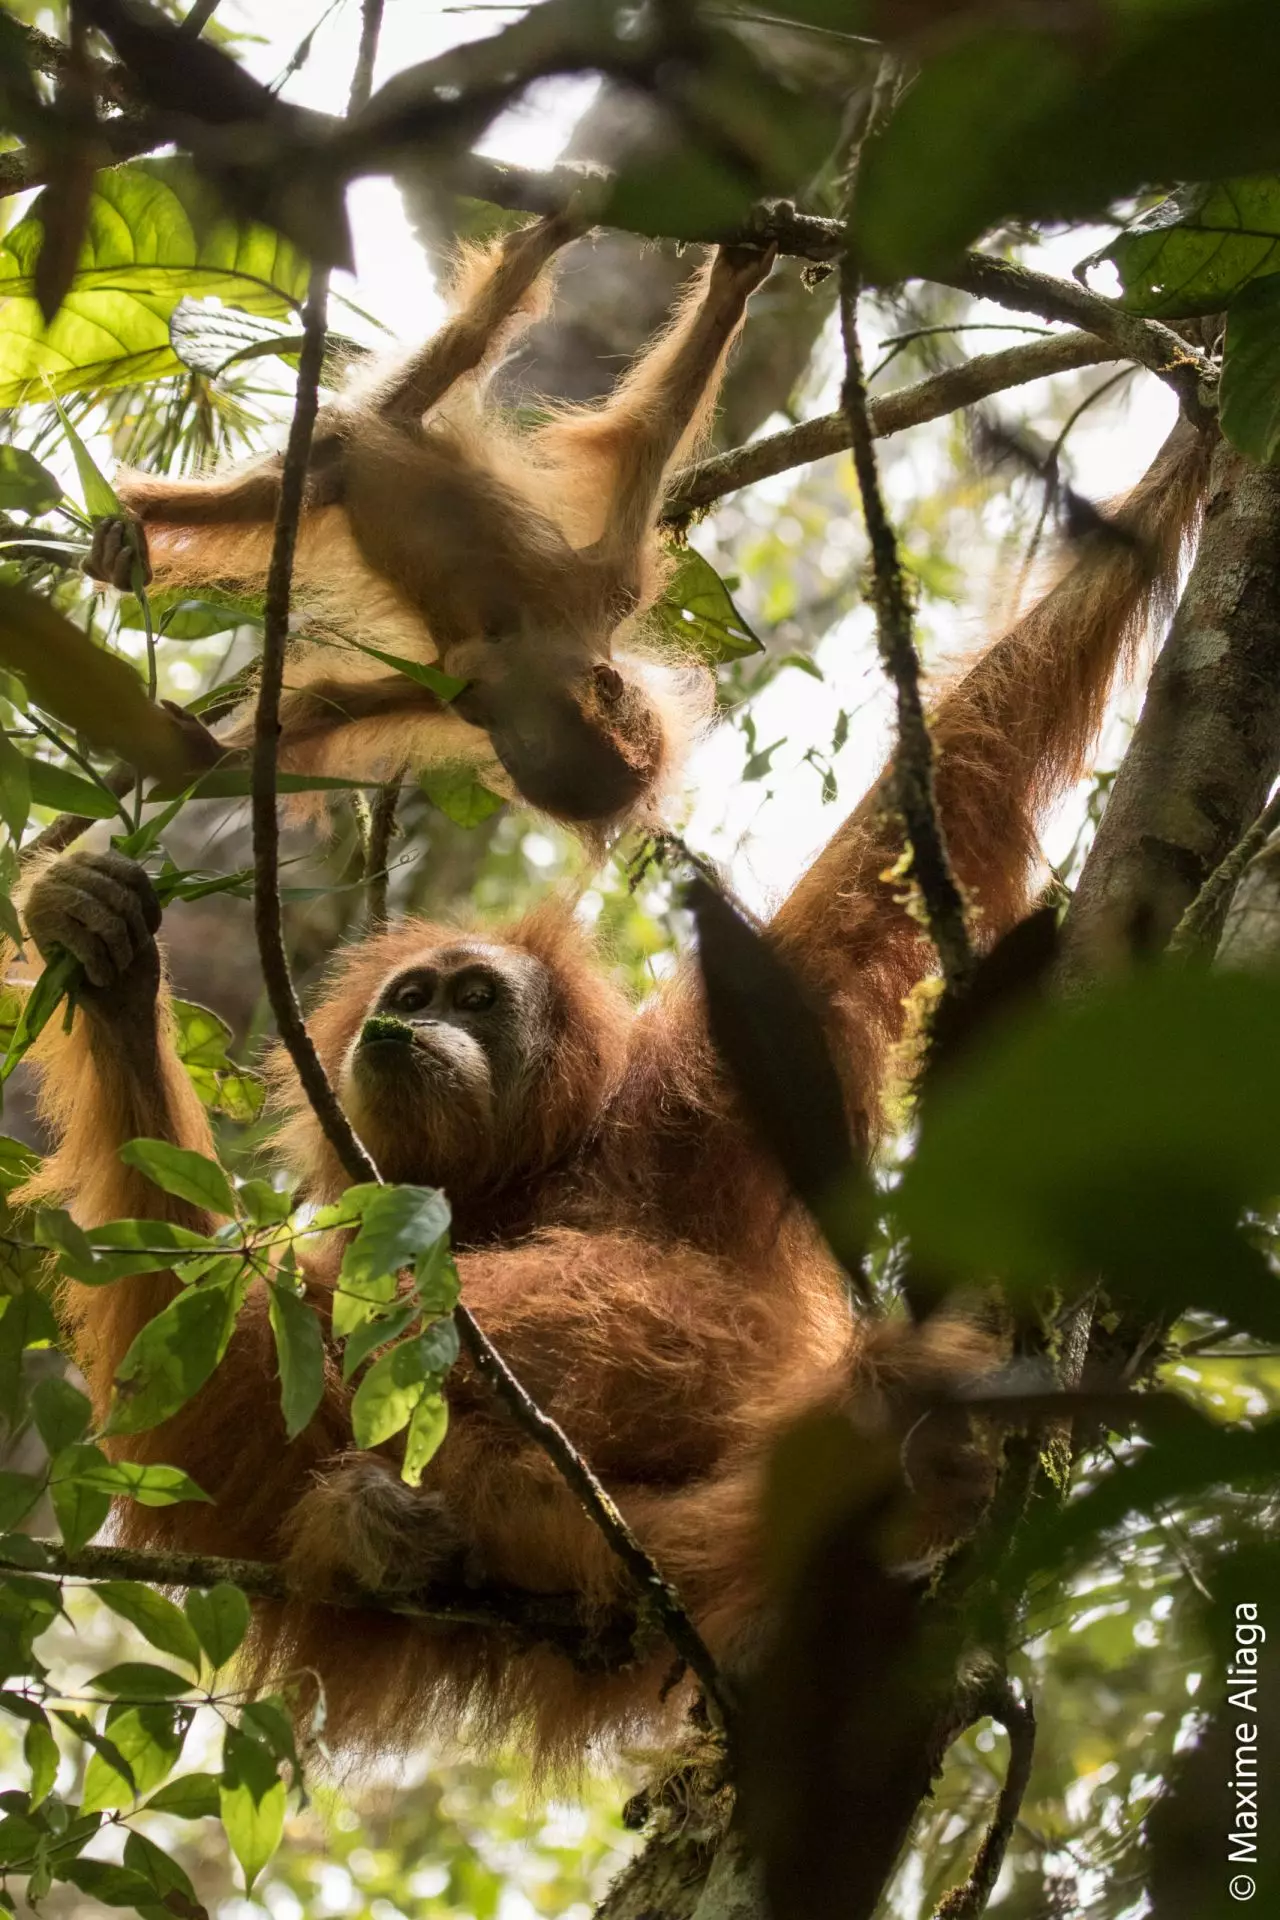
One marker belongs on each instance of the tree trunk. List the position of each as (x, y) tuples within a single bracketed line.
[(1207, 746)]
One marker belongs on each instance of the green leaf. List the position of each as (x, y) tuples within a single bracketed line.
[(300, 1354), (221, 1620), (61, 1412), (194, 1796), (79, 1507), (174, 1354), (113, 1886), (387, 1396), (397, 1226), (121, 1247), (264, 1205), (179, 1170), (144, 1857), (18, 1494), (445, 685), (140, 1677), (253, 1802), (25, 1321), (1016, 121), (101, 501), (157, 1619), (15, 788), (697, 613), (222, 1084), (156, 234), (1195, 251), (148, 1740), (42, 1002), (1123, 1172), (1249, 392), (458, 793), (40, 1751), (65, 792), (98, 694), (150, 1486), (26, 486), (85, 1730), (427, 1429), (376, 1333)]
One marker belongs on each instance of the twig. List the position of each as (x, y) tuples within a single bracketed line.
[(382, 822), (197, 19), (552, 1618), (1018, 1719), (912, 772), (362, 79), (657, 1597), (1150, 343), (706, 481), (1199, 925)]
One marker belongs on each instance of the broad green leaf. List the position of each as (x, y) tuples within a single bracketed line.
[(1195, 251), (427, 1428), (220, 1618), (26, 1320), (144, 1857), (26, 486), (61, 1412), (15, 788), (111, 1885), (79, 1507), (18, 1494), (157, 1619), (66, 792), (149, 1739), (222, 1084), (435, 1279), (120, 1248), (300, 1354), (174, 1354), (390, 1391), (150, 1486), (457, 791), (397, 1225), (181, 1171), (263, 1204), (156, 234), (192, 1797), (376, 1333), (253, 1802), (1123, 1172), (84, 1729), (1249, 392), (98, 694), (40, 1751), (141, 1677), (18, 1161), (1010, 120), (179, 614), (697, 613)]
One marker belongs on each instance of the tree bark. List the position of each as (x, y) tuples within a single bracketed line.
[(1251, 935), (1207, 746)]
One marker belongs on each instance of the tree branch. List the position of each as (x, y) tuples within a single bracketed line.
[(1197, 931), (1018, 1719), (912, 772), (554, 1619), (1147, 342), (709, 480)]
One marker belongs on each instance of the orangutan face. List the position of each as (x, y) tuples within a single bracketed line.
[(445, 1061)]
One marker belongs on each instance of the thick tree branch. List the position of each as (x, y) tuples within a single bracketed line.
[(545, 1618), (709, 480), (1207, 747), (911, 776)]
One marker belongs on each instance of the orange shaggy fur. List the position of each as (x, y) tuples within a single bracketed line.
[(520, 560), (625, 1242)]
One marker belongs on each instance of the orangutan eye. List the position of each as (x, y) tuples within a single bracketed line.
[(410, 998), (474, 994)]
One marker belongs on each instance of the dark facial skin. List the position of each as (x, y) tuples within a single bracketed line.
[(446, 1057)]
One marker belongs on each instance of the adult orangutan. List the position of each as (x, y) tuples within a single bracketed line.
[(621, 1235)]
